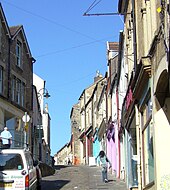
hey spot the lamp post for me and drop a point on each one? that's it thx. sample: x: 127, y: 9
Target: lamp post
x: 42, y: 93
x: 25, y: 119
x: 39, y: 127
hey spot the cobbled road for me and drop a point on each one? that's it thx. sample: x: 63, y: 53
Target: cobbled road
x: 80, y: 178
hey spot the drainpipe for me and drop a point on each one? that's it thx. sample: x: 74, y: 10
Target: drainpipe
x: 92, y: 115
x: 134, y: 35
x: 9, y: 68
x: 86, y: 139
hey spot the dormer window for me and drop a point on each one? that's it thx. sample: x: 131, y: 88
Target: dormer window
x: 18, y: 53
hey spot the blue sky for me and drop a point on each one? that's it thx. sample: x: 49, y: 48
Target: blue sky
x: 68, y: 47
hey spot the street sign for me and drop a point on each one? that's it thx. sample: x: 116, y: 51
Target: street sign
x: 25, y: 118
x: 26, y: 127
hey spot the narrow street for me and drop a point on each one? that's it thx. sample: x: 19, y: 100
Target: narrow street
x: 80, y: 178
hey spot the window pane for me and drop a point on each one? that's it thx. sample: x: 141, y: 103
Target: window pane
x: 18, y: 53
x: 13, y: 89
x: 148, y: 154
x: 18, y: 91
x: 10, y: 162
x: 22, y: 94
x: 149, y: 108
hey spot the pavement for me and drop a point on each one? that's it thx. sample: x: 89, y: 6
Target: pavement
x: 80, y: 178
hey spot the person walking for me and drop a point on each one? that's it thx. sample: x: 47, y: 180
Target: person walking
x: 104, y: 163
x: 6, y: 138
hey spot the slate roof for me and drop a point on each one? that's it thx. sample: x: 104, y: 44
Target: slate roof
x: 2, y: 15
x: 14, y: 30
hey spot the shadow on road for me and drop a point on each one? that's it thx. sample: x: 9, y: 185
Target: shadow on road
x: 56, y: 184
x: 58, y: 167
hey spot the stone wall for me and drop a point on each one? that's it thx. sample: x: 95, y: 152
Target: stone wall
x: 46, y: 170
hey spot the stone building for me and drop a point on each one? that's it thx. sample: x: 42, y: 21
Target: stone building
x: 87, y: 101
x: 113, y: 116
x: 37, y: 127
x: 75, y: 132
x: 145, y: 110
x: 16, y: 82
x: 63, y: 155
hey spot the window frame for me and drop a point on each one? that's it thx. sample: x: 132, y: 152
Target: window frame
x: 147, y: 125
x: 14, y: 158
x: 22, y: 93
x: 18, y: 91
x: 19, y: 53
x: 29, y: 160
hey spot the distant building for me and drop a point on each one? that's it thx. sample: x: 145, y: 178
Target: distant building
x: 63, y: 155
x: 75, y: 133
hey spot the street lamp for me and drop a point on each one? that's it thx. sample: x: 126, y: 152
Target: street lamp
x: 42, y: 93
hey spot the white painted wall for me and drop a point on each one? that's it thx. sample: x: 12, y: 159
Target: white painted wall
x: 162, y: 142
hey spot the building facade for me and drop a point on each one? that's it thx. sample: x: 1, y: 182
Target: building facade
x: 146, y: 100
x: 129, y: 117
x: 43, y: 127
x: 75, y: 133
x: 16, y: 86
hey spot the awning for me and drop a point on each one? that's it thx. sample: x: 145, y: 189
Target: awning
x: 88, y: 131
